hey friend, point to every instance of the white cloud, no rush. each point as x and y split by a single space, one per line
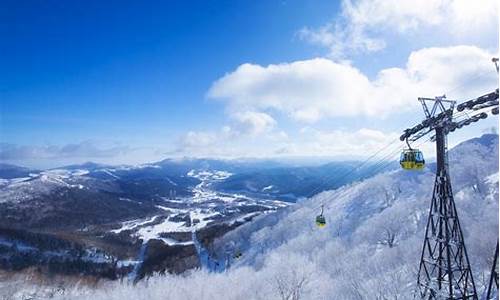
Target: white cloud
340 142
302 89
85 149
194 139
341 39
395 14
319 88
472 17
203 143
312 90
363 26
246 124
254 123
344 143
308 141
254 136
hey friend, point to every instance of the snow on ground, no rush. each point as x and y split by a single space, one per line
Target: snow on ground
125 199
177 200
153 231
127 262
19 246
267 188
209 175
202 192
43 183
149 228
80 172
172 210
284 253
130 225
109 173
492 179
200 210
18 180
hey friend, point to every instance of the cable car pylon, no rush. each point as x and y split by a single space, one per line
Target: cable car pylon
491 293
444 269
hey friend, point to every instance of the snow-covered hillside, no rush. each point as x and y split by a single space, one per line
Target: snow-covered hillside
369 249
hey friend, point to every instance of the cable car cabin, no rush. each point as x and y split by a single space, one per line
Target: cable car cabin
320 221
412 159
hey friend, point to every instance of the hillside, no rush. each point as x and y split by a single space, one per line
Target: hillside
129 221
369 249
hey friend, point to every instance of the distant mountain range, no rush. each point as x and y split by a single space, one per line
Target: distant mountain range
260 178
108 215
8 171
291 183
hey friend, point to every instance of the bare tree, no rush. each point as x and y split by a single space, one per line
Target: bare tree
386 228
388 236
290 286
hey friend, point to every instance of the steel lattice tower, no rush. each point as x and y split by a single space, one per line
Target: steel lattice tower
444 271
492 292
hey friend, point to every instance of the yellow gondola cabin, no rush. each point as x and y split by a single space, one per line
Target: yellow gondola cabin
412 159
320 219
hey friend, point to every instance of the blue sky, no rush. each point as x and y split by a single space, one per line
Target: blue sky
133 66
136 81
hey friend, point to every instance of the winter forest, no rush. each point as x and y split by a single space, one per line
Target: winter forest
369 249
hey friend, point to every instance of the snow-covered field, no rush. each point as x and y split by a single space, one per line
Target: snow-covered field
202 209
22 189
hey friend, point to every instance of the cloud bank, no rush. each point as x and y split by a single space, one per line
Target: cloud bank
85 149
365 26
311 90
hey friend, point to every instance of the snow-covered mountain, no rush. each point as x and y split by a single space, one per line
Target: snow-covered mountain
28 196
369 249
8 171
143 218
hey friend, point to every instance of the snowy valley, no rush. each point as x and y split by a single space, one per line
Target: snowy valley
128 222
